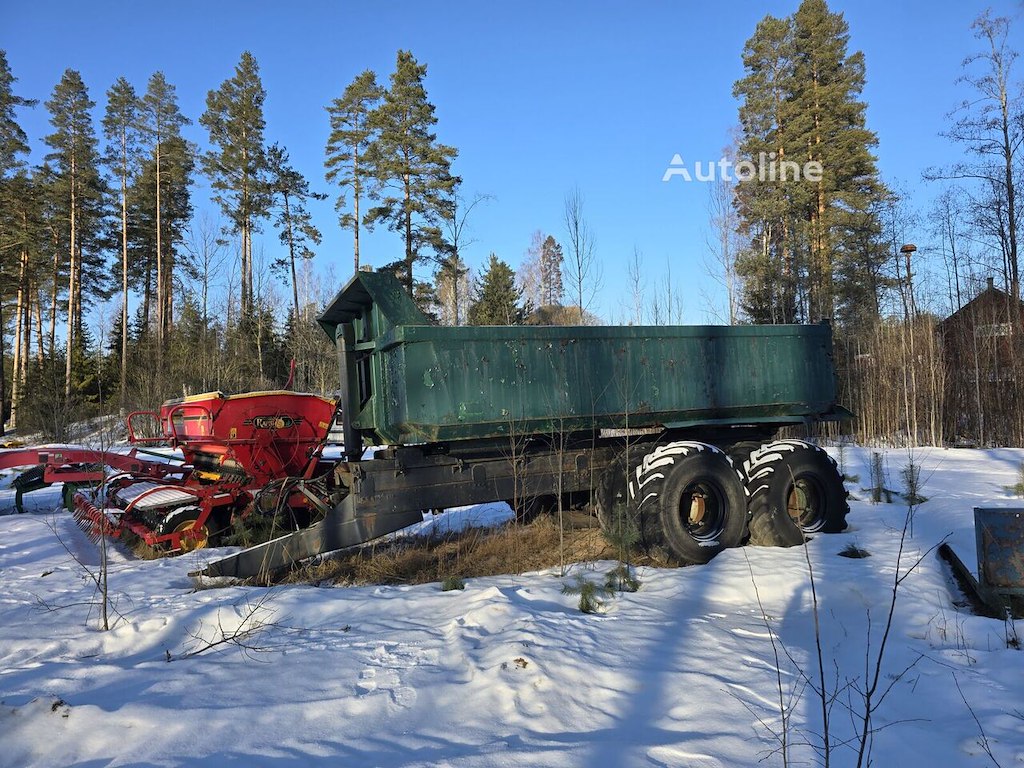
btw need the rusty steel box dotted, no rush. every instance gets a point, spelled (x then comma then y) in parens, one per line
(999, 532)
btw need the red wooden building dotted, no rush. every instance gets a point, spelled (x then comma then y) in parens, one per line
(983, 343)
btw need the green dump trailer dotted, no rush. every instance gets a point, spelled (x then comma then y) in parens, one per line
(670, 429)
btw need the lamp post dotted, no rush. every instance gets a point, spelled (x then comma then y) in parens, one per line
(907, 249)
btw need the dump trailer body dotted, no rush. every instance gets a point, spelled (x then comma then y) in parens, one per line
(411, 382)
(444, 384)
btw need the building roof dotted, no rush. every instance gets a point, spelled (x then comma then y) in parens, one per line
(990, 295)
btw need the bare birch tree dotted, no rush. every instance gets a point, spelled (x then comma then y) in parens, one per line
(582, 267)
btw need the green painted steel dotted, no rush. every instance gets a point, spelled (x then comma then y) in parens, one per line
(420, 383)
(374, 302)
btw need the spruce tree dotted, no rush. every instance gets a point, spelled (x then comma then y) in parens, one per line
(412, 171)
(236, 164)
(347, 146)
(551, 258)
(497, 299)
(769, 264)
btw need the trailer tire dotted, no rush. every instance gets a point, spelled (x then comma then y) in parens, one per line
(795, 490)
(740, 452)
(691, 501)
(183, 520)
(611, 500)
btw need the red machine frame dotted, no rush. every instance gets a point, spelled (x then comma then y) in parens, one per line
(234, 447)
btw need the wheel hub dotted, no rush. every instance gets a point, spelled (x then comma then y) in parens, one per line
(702, 509)
(698, 508)
(804, 503)
(198, 538)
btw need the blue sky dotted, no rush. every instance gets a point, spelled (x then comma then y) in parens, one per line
(539, 97)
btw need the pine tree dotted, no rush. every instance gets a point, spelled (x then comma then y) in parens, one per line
(347, 147)
(412, 171)
(79, 193)
(15, 246)
(121, 129)
(291, 193)
(171, 163)
(236, 165)
(829, 119)
(801, 105)
(23, 236)
(13, 141)
(497, 299)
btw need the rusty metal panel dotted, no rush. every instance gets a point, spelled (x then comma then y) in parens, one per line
(410, 382)
(999, 532)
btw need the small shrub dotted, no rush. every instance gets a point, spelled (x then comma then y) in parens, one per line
(452, 583)
(1012, 638)
(878, 489)
(624, 533)
(854, 552)
(911, 475)
(621, 579)
(590, 594)
(842, 465)
(1018, 488)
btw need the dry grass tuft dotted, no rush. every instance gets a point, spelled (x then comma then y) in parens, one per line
(509, 549)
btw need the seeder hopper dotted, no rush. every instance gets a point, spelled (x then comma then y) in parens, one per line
(256, 453)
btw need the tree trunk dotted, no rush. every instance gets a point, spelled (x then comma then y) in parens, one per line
(72, 275)
(291, 255)
(356, 189)
(246, 268)
(20, 349)
(245, 298)
(39, 330)
(3, 383)
(53, 296)
(408, 235)
(160, 288)
(124, 277)
(1011, 210)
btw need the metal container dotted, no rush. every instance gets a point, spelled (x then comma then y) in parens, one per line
(999, 532)
(411, 382)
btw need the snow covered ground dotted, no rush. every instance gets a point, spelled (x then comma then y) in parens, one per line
(508, 672)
